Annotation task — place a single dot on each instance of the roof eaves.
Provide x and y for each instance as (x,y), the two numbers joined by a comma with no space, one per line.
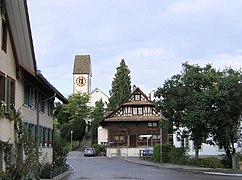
(51,87)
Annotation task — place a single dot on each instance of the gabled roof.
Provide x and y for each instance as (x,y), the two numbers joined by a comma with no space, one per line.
(20,34)
(22,43)
(82,65)
(115,116)
(97,89)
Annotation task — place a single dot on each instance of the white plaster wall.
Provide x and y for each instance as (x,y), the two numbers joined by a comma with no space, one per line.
(6,131)
(116,152)
(206,149)
(7,61)
(97,95)
(7,66)
(82,89)
(30,116)
(102,135)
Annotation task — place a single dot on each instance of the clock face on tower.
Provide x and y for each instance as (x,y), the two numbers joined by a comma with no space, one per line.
(80,81)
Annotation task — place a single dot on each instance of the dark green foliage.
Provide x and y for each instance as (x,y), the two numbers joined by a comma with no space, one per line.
(209,162)
(59,151)
(121,86)
(166,149)
(60,114)
(78,129)
(97,115)
(100,149)
(49,171)
(178,156)
(63,117)
(46,171)
(184,100)
(72,116)
(77,107)
(156,157)
(226,162)
(205,101)
(170,154)
(6,176)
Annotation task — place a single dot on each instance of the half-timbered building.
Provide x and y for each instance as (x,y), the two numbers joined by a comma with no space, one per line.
(132,126)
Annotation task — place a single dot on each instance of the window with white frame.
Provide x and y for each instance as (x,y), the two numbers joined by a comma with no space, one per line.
(185,141)
(137,111)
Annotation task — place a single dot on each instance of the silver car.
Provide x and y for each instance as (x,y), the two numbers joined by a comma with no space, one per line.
(89,152)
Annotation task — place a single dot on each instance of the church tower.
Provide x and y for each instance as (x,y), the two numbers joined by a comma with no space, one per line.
(82,74)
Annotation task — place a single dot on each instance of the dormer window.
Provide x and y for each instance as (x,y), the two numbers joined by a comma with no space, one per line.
(137,97)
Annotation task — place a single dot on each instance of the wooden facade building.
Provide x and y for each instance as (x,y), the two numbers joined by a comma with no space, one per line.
(133,122)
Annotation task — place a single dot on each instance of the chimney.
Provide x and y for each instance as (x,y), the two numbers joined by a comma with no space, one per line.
(134,87)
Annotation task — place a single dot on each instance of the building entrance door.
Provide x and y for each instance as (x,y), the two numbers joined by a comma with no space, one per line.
(132,140)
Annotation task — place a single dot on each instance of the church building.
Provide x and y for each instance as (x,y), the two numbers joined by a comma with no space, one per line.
(82,78)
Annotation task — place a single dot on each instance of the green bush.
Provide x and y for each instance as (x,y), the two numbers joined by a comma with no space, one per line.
(209,162)
(100,149)
(46,171)
(49,171)
(156,154)
(240,157)
(166,148)
(226,162)
(6,176)
(178,156)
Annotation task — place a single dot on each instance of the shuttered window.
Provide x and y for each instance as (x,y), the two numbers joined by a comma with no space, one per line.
(2,86)
(10,93)
(4,35)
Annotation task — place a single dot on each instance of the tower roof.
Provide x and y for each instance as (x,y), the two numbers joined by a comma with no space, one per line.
(82,65)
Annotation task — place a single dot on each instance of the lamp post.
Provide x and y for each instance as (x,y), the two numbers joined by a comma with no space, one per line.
(161,139)
(161,144)
(71,138)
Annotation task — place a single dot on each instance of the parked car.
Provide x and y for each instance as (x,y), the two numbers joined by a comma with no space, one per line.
(148,152)
(89,152)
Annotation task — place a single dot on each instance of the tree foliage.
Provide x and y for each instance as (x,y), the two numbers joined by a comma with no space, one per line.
(204,101)
(72,116)
(60,113)
(97,115)
(121,86)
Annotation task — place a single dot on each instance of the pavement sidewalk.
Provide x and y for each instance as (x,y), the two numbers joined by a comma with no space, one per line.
(218,171)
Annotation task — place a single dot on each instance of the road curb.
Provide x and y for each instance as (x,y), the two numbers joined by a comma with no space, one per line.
(186,170)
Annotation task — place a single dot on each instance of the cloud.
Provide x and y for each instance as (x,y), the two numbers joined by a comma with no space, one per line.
(222,60)
(153,38)
(191,6)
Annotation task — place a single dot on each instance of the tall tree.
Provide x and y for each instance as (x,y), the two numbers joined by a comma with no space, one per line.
(227,110)
(97,115)
(184,101)
(121,86)
(60,114)
(206,102)
(78,111)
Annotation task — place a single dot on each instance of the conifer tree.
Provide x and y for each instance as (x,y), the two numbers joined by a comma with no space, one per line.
(121,86)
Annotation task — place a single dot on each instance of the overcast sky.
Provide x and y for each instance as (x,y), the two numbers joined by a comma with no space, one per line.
(154,37)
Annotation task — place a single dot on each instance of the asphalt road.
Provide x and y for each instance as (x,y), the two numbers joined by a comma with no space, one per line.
(116,169)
